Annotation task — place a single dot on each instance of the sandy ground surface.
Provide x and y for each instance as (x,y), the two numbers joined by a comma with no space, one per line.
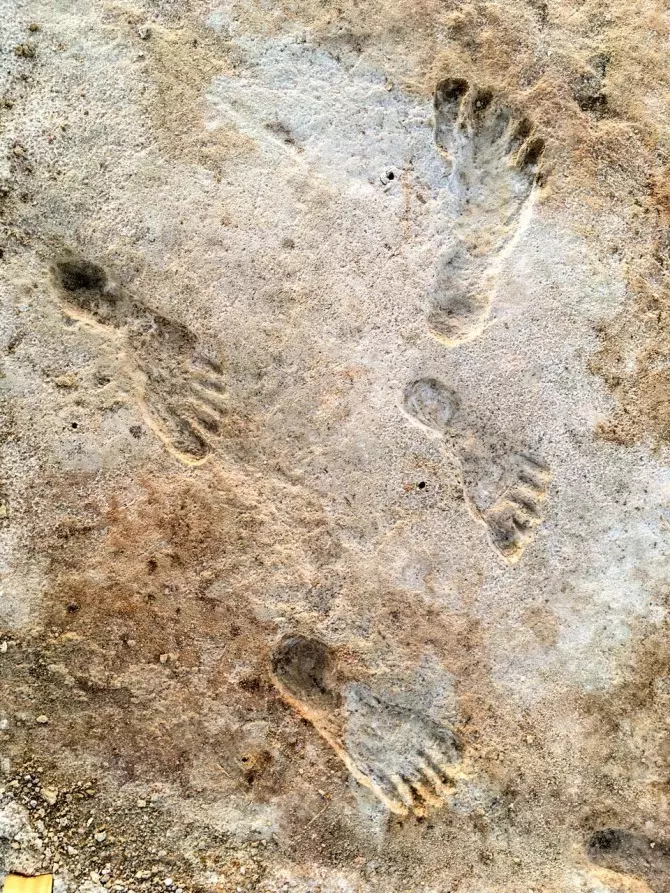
(335,410)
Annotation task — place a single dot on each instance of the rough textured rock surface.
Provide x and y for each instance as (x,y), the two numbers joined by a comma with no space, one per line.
(335,419)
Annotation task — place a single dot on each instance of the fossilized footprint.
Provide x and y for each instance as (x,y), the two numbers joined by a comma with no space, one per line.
(180,390)
(494,175)
(504,489)
(405,758)
(632,854)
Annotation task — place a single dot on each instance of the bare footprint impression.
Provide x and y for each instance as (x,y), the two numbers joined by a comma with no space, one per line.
(409,761)
(495,174)
(180,389)
(635,855)
(505,489)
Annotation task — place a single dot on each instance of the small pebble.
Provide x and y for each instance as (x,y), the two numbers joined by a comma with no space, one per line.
(50,795)
(42,720)
(26,50)
(144,32)
(65,381)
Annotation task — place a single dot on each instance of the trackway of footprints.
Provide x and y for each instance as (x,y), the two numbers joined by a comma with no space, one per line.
(409,761)
(406,759)
(179,389)
(495,172)
(505,490)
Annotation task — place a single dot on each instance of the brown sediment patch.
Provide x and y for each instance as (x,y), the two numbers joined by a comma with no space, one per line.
(628,741)
(181,62)
(130,628)
(149,656)
(634,354)
(148,673)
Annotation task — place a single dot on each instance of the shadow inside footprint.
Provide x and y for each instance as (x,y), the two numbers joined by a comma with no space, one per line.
(77,275)
(405,758)
(632,854)
(446,104)
(304,667)
(179,388)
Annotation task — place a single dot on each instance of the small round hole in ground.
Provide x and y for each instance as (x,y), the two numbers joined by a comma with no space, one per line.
(72,608)
(74,425)
(390,175)
(421,485)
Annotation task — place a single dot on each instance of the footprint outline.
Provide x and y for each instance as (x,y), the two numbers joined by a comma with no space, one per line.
(179,390)
(348,716)
(495,174)
(512,513)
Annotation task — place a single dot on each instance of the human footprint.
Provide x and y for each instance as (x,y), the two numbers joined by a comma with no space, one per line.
(180,390)
(495,174)
(505,489)
(406,759)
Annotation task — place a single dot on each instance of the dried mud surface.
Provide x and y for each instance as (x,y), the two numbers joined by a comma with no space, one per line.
(335,419)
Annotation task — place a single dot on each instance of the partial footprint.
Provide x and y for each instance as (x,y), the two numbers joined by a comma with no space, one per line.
(504,489)
(405,758)
(632,854)
(494,174)
(180,390)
